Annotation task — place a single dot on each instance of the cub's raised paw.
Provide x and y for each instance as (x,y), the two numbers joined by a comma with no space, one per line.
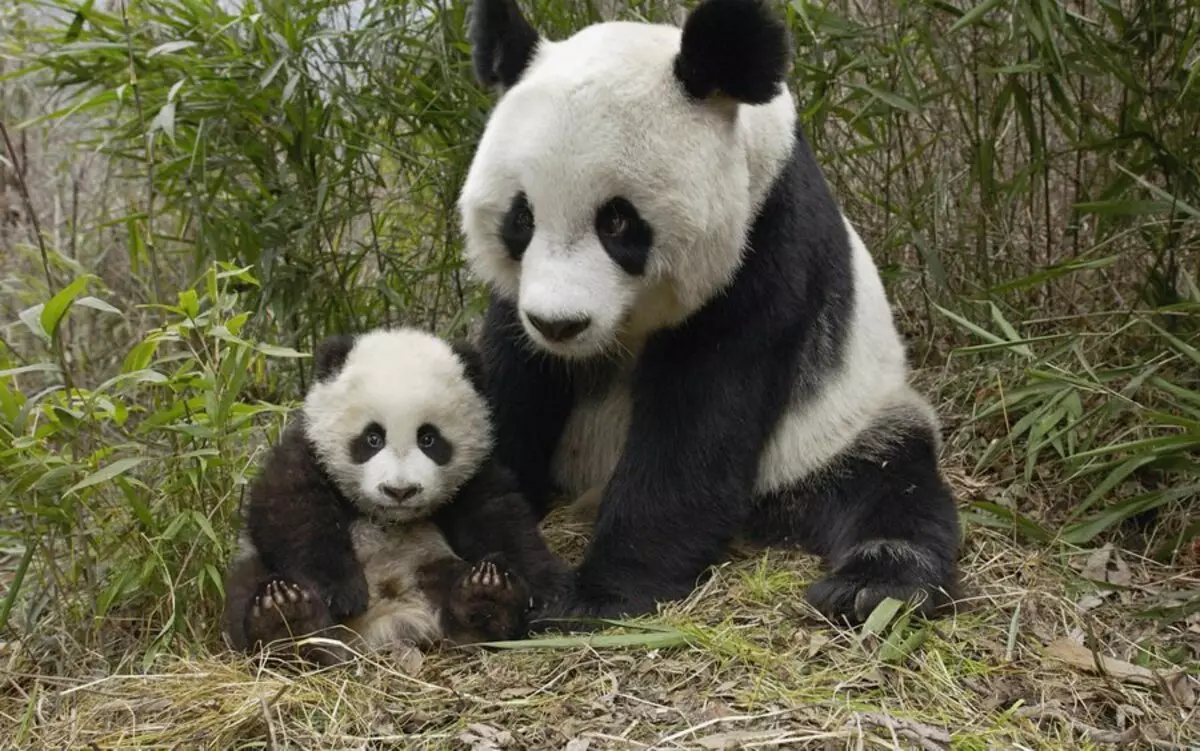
(282,610)
(490,601)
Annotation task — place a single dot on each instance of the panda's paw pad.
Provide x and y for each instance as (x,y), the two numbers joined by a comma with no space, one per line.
(491,599)
(488,575)
(282,608)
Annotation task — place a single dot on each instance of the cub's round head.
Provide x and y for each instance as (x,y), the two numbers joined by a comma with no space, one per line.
(398,419)
(620,170)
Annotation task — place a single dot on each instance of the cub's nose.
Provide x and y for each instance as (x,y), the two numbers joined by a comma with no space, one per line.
(559,329)
(399,495)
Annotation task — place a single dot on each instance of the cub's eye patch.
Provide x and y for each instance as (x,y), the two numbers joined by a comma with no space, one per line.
(626,237)
(368,443)
(516,230)
(434,445)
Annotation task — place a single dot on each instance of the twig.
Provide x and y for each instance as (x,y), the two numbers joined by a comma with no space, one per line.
(19,171)
(151,251)
(23,189)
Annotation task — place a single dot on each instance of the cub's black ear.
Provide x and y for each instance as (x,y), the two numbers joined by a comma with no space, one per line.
(502,42)
(331,355)
(738,48)
(472,362)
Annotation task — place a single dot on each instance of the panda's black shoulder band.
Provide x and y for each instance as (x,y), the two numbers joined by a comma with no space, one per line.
(738,48)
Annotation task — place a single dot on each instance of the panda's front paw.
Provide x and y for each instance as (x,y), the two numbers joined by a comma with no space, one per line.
(490,600)
(573,610)
(874,571)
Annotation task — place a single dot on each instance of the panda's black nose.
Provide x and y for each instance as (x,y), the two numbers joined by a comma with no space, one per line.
(559,329)
(399,495)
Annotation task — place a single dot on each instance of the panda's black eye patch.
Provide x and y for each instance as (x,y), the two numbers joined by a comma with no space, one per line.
(626,237)
(516,231)
(434,445)
(368,443)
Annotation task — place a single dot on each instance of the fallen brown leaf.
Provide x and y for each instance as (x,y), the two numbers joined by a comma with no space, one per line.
(1078,656)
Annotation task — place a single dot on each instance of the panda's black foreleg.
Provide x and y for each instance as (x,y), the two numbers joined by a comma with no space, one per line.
(530,395)
(883,520)
(682,488)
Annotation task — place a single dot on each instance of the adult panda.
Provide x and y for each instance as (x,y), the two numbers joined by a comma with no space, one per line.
(680,315)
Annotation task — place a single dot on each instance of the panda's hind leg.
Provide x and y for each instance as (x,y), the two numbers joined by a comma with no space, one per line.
(881,517)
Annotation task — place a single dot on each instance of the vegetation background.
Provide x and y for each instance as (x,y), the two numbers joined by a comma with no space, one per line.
(193,193)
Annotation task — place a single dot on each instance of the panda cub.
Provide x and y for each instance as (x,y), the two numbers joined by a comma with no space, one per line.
(369,508)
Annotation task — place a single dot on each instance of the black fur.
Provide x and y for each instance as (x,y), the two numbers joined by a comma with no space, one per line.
(516,230)
(629,247)
(883,520)
(706,397)
(738,48)
(331,355)
(299,522)
(502,42)
(491,516)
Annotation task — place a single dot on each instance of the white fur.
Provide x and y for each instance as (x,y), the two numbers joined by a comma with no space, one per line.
(600,115)
(401,379)
(871,383)
(391,557)
(872,380)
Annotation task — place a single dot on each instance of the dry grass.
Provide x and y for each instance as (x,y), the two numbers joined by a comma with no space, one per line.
(754,668)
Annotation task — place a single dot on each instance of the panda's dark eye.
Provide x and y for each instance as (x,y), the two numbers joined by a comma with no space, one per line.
(433,444)
(626,237)
(517,229)
(368,443)
(613,225)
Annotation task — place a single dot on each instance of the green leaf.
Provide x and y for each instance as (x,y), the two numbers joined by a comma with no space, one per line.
(974,14)
(881,616)
(110,471)
(1084,532)
(164,121)
(272,350)
(96,303)
(168,47)
(54,311)
(963,322)
(37,367)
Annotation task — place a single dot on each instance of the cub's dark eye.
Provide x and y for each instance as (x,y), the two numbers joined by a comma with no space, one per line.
(368,443)
(626,237)
(434,445)
(612,224)
(516,231)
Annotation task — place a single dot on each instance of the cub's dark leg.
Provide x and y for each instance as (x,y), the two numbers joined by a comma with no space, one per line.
(489,516)
(883,519)
(300,525)
(485,601)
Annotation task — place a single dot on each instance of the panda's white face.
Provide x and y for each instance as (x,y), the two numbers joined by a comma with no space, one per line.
(399,426)
(603,200)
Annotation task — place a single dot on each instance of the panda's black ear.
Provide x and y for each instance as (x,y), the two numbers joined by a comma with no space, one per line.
(472,362)
(736,48)
(331,355)
(502,42)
